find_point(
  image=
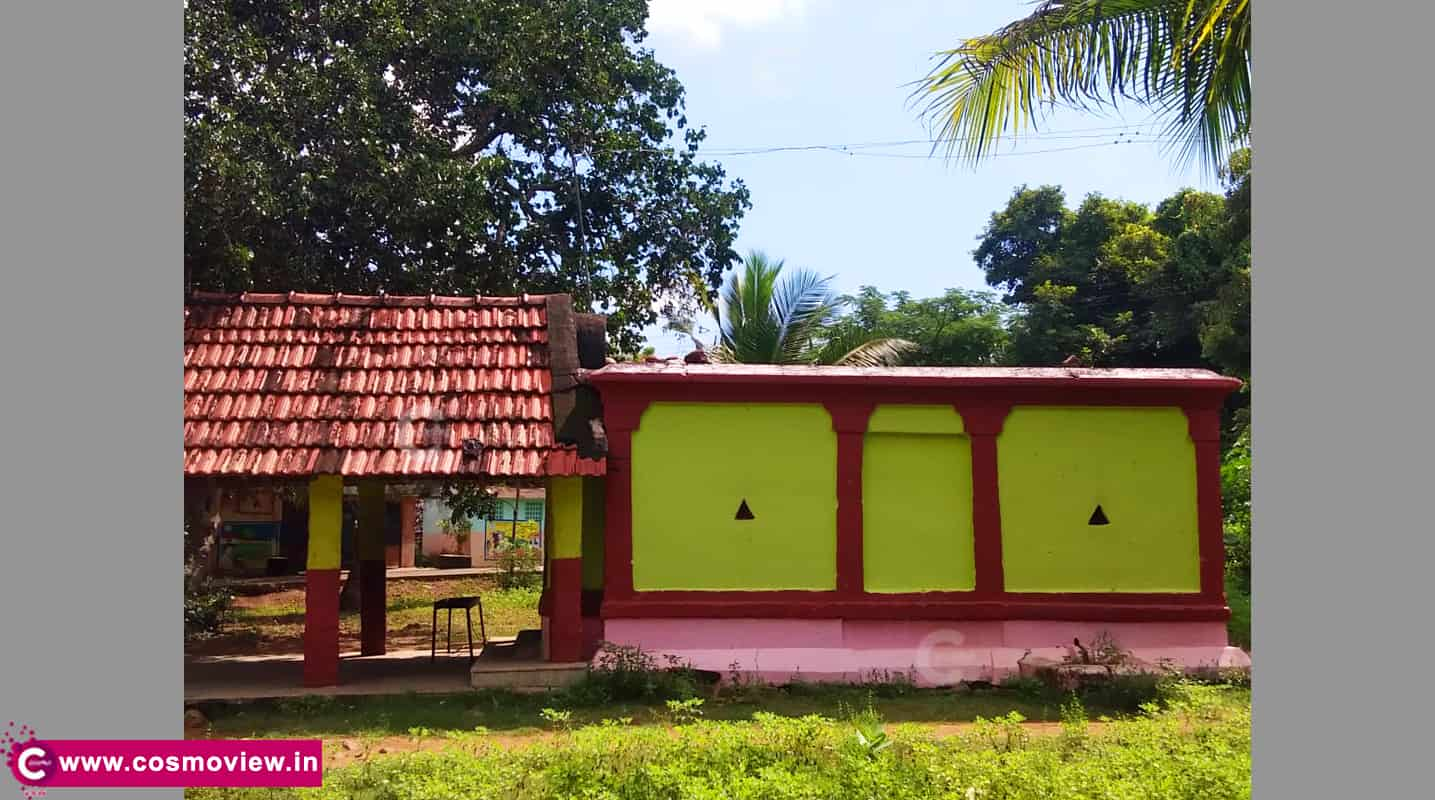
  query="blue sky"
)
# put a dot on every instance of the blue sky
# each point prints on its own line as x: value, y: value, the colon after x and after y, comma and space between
x: 763, y: 73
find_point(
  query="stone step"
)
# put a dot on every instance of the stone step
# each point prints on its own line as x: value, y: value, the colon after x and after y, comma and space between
x: 531, y: 676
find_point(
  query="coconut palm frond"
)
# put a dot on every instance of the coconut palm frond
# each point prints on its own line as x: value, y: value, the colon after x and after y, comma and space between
x: 878, y: 353
x: 747, y: 327
x: 768, y: 316
x: 803, y: 305
x: 1189, y: 60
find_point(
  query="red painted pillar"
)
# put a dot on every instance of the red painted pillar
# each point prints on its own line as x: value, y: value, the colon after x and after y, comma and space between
x: 321, y: 581
x: 620, y: 417
x: 983, y: 423
x: 849, y: 421
x: 564, y: 537
x: 1205, y: 427
x: 408, y: 515
x: 373, y: 606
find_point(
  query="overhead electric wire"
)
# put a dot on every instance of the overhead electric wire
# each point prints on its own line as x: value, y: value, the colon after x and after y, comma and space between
x: 1136, y: 133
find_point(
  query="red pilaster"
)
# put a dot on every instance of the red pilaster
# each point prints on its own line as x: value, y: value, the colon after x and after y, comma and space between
x: 1205, y: 427
x: 321, y: 627
x: 373, y: 621
x: 620, y: 417
x: 565, y: 609
x: 373, y: 605
x: 408, y: 515
x: 983, y: 424
x: 849, y: 421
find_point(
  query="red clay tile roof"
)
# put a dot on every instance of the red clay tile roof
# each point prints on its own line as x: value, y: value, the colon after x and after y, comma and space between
x: 302, y: 384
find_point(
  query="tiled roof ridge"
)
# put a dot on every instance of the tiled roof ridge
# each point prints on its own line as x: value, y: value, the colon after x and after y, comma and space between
x: 369, y: 300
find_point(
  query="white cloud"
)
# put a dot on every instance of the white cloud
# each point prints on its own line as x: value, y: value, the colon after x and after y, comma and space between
x: 701, y: 22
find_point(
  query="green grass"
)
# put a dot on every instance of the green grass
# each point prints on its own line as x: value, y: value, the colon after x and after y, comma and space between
x: 501, y: 711
x: 1196, y: 747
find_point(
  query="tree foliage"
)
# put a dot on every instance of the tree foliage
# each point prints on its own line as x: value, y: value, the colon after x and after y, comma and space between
x: 448, y: 146
x: 957, y: 328
x: 1117, y: 284
x: 1187, y: 60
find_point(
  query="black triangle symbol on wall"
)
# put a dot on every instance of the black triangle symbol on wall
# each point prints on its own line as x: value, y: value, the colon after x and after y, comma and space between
x: 1098, y: 517
x: 743, y: 512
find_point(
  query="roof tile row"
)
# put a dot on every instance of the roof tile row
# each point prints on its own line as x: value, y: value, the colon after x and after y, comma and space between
x: 285, y: 407
x: 350, y: 356
x: 371, y: 319
x: 336, y: 433
x: 364, y: 381
x: 302, y: 384
x: 363, y: 337
x: 307, y: 461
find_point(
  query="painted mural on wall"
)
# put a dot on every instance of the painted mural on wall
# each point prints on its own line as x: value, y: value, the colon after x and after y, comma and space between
x: 524, y: 533
x: 483, y: 536
x: 247, y: 545
x: 249, y: 529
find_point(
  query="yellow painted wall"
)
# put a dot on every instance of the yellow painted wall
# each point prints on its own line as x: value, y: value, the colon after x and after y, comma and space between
x: 594, y: 523
x: 917, y: 501
x: 693, y: 463
x: 565, y: 525
x: 1055, y: 465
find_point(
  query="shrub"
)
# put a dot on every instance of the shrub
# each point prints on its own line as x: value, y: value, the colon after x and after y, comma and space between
x: 1186, y: 754
x: 681, y: 712
x: 560, y: 719
x: 1074, y: 735
x: 518, y: 565
x: 1128, y: 692
x: 1028, y: 687
x: 1004, y: 734
x: 887, y: 683
x: 623, y: 673
x: 207, y: 606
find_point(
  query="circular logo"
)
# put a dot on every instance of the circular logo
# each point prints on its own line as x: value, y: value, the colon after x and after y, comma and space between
x: 940, y: 660
x: 34, y: 763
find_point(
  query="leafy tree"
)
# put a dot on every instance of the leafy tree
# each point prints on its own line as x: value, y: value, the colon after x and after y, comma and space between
x: 450, y: 146
x: 1226, y: 318
x: 1187, y: 60
x: 1118, y: 284
x: 1236, y: 499
x: 957, y: 328
x: 766, y: 317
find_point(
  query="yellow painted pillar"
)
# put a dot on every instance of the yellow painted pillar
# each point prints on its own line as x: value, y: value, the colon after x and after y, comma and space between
x: 564, y: 537
x: 594, y: 522
x: 321, y: 581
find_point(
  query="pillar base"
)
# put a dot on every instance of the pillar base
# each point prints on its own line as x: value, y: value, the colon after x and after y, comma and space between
x: 321, y: 627
x: 929, y: 653
x: 565, y: 623
x: 373, y: 601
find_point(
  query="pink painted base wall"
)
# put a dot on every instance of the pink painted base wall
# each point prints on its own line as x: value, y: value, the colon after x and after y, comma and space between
x: 933, y: 653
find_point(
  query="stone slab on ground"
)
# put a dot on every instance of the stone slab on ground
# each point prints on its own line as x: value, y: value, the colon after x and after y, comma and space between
x: 526, y: 676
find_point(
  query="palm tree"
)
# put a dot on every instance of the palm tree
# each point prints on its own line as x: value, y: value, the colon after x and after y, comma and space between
x: 1187, y: 60
x: 764, y: 320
